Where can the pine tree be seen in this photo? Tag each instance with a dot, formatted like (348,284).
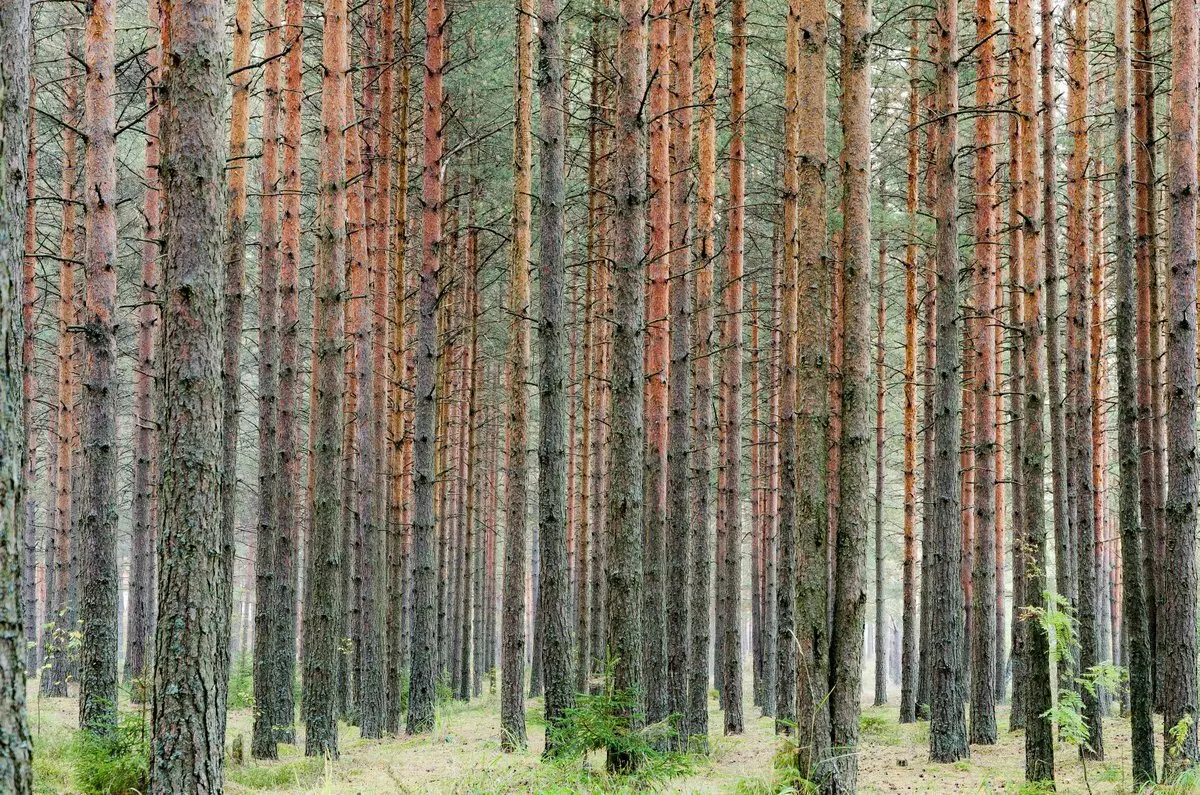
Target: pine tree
(189,700)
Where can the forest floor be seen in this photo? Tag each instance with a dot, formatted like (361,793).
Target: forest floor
(463,756)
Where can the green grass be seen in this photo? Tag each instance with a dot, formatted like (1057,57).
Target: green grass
(298,774)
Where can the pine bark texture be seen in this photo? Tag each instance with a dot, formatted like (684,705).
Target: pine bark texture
(16,747)
(947,723)
(701,600)
(138,649)
(680,515)
(624,521)
(98,407)
(512,663)
(323,608)
(813,296)
(423,673)
(192,639)
(983,326)
(1177,566)
(731,384)
(850,558)
(1132,532)
(554,597)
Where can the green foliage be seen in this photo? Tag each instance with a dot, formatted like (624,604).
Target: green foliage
(786,778)
(602,721)
(1188,781)
(880,728)
(241,683)
(116,762)
(297,774)
(1067,712)
(1179,734)
(1036,788)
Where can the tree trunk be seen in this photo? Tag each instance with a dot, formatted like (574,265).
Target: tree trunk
(287,536)
(323,613)
(143,514)
(680,515)
(701,600)
(189,701)
(98,433)
(512,664)
(880,613)
(1133,607)
(1039,738)
(423,673)
(29,381)
(267,591)
(58,627)
(654,647)
(1177,625)
(554,597)
(908,665)
(947,729)
(1146,262)
(983,326)
(234,288)
(624,517)
(731,377)
(812,398)
(785,611)
(1079,374)
(16,748)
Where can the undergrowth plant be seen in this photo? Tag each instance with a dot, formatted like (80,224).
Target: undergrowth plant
(116,762)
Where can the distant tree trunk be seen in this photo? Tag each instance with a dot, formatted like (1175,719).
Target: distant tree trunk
(323,616)
(770,491)
(472,372)
(654,638)
(190,690)
(1039,739)
(512,664)
(785,611)
(624,516)
(266,690)
(947,730)
(369,564)
(731,376)
(29,382)
(757,488)
(701,600)
(400,424)
(679,518)
(16,748)
(1133,607)
(1177,625)
(58,628)
(880,613)
(287,538)
(1065,575)
(1145,133)
(98,433)
(554,597)
(908,665)
(813,288)
(984,582)
(1000,674)
(929,354)
(423,673)
(590,389)
(142,576)
(1016,372)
